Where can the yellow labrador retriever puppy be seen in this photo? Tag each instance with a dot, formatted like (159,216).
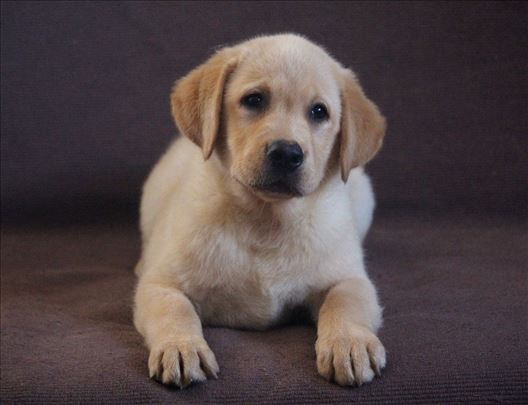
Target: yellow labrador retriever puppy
(261,207)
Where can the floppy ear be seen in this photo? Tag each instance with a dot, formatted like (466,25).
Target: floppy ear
(362,126)
(196,100)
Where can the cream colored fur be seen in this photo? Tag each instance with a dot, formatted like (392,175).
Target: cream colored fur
(217,252)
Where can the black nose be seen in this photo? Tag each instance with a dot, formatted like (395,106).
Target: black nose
(285,156)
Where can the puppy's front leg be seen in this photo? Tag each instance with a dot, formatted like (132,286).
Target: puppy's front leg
(173,332)
(348,351)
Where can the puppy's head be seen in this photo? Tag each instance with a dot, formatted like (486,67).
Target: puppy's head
(284,114)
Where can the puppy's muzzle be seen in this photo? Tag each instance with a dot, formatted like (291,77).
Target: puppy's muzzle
(281,169)
(284,157)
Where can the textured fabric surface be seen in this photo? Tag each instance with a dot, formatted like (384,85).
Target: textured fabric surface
(454,292)
(85,95)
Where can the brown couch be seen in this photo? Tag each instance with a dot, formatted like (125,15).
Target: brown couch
(85,115)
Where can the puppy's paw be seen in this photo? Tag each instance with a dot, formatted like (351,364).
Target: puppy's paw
(182,361)
(351,357)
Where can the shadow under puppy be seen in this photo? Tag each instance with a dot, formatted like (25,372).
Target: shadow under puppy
(266,214)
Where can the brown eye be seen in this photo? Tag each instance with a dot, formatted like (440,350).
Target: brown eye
(318,113)
(253,101)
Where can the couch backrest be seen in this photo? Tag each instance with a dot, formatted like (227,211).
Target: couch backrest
(85,88)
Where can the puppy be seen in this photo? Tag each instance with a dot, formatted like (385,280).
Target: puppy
(261,208)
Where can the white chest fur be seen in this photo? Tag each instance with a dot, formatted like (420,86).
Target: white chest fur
(241,274)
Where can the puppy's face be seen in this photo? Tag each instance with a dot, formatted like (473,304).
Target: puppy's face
(281,111)
(282,107)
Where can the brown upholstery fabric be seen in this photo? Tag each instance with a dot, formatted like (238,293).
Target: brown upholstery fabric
(85,96)
(454,292)
(85,114)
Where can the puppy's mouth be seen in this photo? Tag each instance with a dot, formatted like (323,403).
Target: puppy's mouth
(272,189)
(279,189)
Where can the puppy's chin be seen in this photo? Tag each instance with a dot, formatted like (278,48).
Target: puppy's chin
(270,196)
(276,189)
(272,191)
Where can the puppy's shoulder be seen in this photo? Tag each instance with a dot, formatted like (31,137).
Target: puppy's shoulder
(174,168)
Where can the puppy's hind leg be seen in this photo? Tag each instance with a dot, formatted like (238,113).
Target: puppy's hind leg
(363,201)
